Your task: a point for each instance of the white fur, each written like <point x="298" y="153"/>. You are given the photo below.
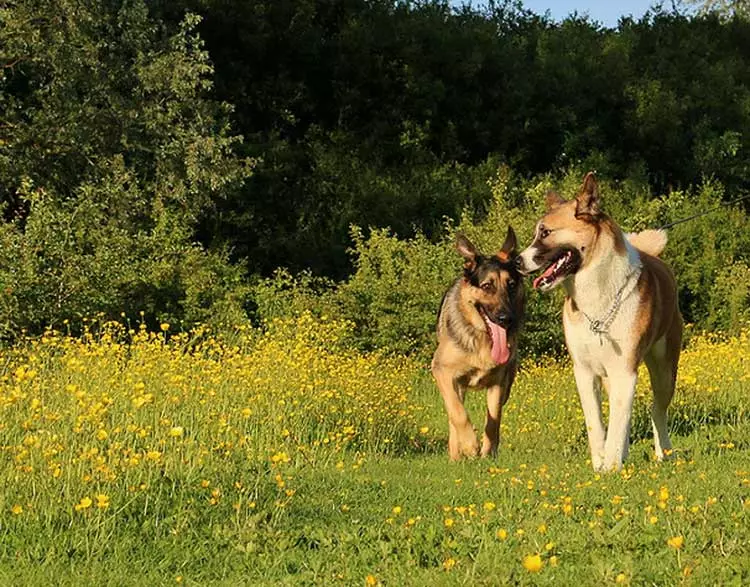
<point x="605" y="358"/>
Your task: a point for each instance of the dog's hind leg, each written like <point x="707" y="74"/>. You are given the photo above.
<point x="661" y="361"/>
<point x="589" y="391"/>
<point x="462" y="439"/>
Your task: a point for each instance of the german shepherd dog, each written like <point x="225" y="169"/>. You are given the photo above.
<point x="477" y="329"/>
<point x="620" y="309"/>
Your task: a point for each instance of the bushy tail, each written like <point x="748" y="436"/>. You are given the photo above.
<point x="651" y="242"/>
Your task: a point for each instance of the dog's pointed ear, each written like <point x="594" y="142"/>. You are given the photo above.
<point x="553" y="200"/>
<point x="587" y="202"/>
<point x="510" y="246"/>
<point x="468" y="251"/>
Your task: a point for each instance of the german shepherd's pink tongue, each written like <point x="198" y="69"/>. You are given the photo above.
<point x="500" y="351"/>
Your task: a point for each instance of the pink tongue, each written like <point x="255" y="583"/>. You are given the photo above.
<point x="549" y="271"/>
<point x="500" y="351"/>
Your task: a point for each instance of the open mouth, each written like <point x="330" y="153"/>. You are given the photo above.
<point x="499" y="337"/>
<point x="565" y="264"/>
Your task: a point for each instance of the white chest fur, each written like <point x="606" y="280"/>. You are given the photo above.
<point x="600" y="317"/>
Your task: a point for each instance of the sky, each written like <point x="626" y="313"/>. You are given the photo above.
<point x="606" y="12"/>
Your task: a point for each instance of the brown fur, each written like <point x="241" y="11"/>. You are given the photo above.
<point x="651" y="242"/>
<point x="643" y="326"/>
<point x="463" y="358"/>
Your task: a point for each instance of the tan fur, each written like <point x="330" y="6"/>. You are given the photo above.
<point x="651" y="242"/>
<point x="620" y="310"/>
<point x="463" y="358"/>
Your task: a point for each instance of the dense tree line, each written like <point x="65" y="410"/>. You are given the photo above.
<point x="154" y="154"/>
<point x="376" y="112"/>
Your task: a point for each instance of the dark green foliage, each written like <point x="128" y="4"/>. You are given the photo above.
<point x="124" y="188"/>
<point x="110" y="151"/>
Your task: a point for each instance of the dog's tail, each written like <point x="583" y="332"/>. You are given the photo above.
<point x="651" y="242"/>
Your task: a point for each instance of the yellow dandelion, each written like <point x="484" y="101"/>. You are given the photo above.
<point x="532" y="563"/>
<point x="502" y="534"/>
<point x="16" y="510"/>
<point x="676" y="542"/>
<point x="448" y="522"/>
<point x="621" y="578"/>
<point x="396" y="510"/>
<point x="102" y="501"/>
<point x="164" y="326"/>
<point x="84" y="504"/>
<point x="371" y="581"/>
<point x="176" y="431"/>
<point x="449" y="563"/>
<point x="489" y="506"/>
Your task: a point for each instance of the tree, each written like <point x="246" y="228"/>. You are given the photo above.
<point x="111" y="147"/>
<point x="724" y="8"/>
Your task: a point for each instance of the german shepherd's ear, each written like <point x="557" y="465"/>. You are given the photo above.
<point x="468" y="251"/>
<point x="510" y="246"/>
<point x="553" y="200"/>
<point x="587" y="202"/>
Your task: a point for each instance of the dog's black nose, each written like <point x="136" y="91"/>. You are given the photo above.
<point x="504" y="319"/>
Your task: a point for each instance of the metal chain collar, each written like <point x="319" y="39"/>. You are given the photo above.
<point x="601" y="326"/>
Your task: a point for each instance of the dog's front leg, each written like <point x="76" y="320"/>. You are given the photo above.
<point x="621" y="396"/>
<point x="589" y="391"/>
<point x="491" y="438"/>
<point x="462" y="439"/>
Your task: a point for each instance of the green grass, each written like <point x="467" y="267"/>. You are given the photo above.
<point x="392" y="514"/>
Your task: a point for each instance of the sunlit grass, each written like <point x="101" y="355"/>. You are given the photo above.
<point x="283" y="456"/>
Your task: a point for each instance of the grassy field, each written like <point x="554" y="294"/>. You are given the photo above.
<point x="133" y="458"/>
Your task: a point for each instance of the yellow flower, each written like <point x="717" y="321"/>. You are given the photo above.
<point x="532" y="563"/>
<point x="424" y="429"/>
<point x="663" y="493"/>
<point x="164" y="326"/>
<point x="153" y="455"/>
<point x="176" y="431"/>
<point x="489" y="506"/>
<point x="553" y="561"/>
<point x="396" y="510"/>
<point x="449" y="563"/>
<point x="371" y="581"/>
<point x="676" y="542"/>
<point x="85" y="503"/>
<point x="448" y="522"/>
<point x="16" y="510"/>
<point x="502" y="534"/>
<point x="621" y="578"/>
<point x="101" y="434"/>
<point x="102" y="501"/>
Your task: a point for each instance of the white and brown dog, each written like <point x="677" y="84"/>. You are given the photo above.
<point x="621" y="309"/>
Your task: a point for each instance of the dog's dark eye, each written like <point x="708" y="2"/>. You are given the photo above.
<point x="511" y="284"/>
<point x="544" y="232"/>
<point x="486" y="286"/>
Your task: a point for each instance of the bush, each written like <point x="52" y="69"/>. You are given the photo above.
<point x="395" y="291"/>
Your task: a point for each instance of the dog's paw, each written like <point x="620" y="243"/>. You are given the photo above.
<point x="468" y="443"/>
<point x="488" y="449"/>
